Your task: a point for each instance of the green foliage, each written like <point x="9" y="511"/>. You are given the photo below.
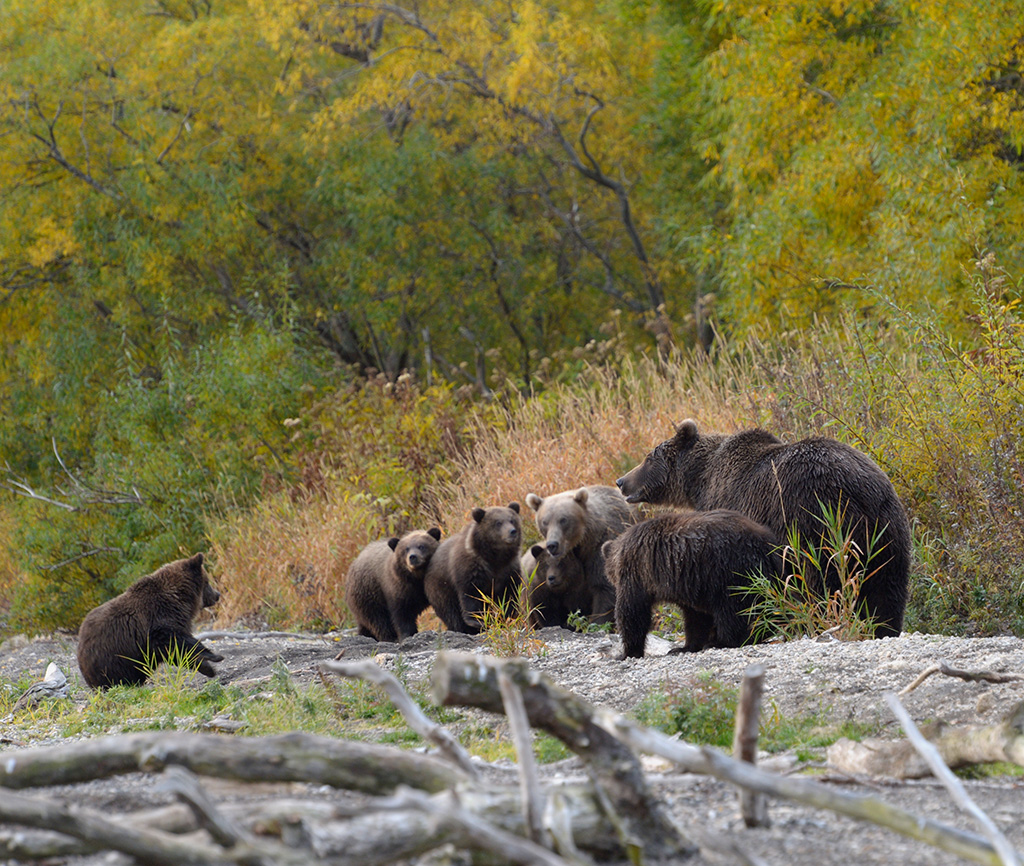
<point x="506" y="629"/>
<point x="799" y="605"/>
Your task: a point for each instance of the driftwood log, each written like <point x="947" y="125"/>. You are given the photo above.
<point x="959" y="746"/>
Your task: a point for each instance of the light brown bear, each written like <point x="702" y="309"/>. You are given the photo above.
<point x="384" y="587"/>
<point x="123" y="640"/>
<point x="481" y="560"/>
<point x="555" y="587"/>
<point x="580" y="521"/>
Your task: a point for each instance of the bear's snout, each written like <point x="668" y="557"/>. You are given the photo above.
<point x="414" y="559"/>
<point x="554" y="581"/>
<point x="552" y="547"/>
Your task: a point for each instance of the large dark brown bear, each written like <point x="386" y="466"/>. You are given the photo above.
<point x="778" y="485"/>
<point x="701" y="561"/>
<point x="482" y="559"/>
<point x="123" y="640"/>
<point x="581" y="521"/>
<point x="555" y="587"/>
<point x="384" y="587"/>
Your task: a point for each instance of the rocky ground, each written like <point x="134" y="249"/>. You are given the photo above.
<point x="838" y="680"/>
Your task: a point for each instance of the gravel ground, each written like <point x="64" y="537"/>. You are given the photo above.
<point x="842" y="680"/>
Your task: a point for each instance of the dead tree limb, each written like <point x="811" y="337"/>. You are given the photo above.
<point x="185" y="786"/>
<point x="463" y="679"/>
<point x="753" y="806"/>
<point x="959" y="746"/>
<point x="944" y="667"/>
<point x="519" y="724"/>
<point x="1007" y="854"/>
<point x="294" y="757"/>
<point x="368" y="670"/>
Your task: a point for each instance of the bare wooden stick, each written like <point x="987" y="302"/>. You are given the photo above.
<point x="943" y="667"/>
<point x="519" y="724"/>
<point x="148" y="846"/>
<point x="1007" y="854"/>
<point x="753" y="805"/>
<point x="465" y="679"/>
<point x="366" y="669"/>
<point x="185" y="786"/>
<point x="294" y="757"/>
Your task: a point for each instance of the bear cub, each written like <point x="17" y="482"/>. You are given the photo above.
<point x="481" y="559"/>
<point x="779" y="485"/>
<point x="384" y="588"/>
<point x="124" y="639"/>
<point x="701" y="561"/>
<point x="555" y="587"/>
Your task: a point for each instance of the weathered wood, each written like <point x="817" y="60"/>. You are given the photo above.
<point x="944" y="667"/>
<point x="185" y="786"/>
<point x="295" y="757"/>
<point x="753" y="805"/>
<point x="1007" y="854"/>
<point x="464" y="679"/>
<point x="519" y="725"/>
<point x="413" y="715"/>
<point x="959" y="746"/>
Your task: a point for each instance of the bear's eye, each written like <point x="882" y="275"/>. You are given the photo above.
<point x="563" y="522"/>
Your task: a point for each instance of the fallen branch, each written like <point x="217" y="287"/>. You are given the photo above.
<point x="415" y="717"/>
<point x="1006" y="851"/>
<point x="464" y="679"/>
<point x="959" y="746"/>
<point x="519" y="724"/>
<point x="943" y="667"/>
<point x="294" y="757"/>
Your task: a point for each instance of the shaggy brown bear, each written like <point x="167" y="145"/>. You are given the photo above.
<point x="581" y="521"/>
<point x="555" y="587"/>
<point x="701" y="561"/>
<point x="481" y="560"/>
<point x="384" y="587"/>
<point x="779" y="485"/>
<point x="123" y="640"/>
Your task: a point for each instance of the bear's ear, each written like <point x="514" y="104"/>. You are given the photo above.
<point x="478" y="514"/>
<point x="537" y="550"/>
<point x="393" y="542"/>
<point x="581" y="496"/>
<point x="514" y="506"/>
<point x="434" y="533"/>
<point x="196" y="561"/>
<point x="606" y="548"/>
<point x="534" y="501"/>
<point x="686" y="434"/>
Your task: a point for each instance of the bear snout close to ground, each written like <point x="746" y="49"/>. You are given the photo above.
<point x="701" y="561"/>
<point x="781" y="485"/>
<point x="385" y="585"/>
<point x="123" y="640"/>
<point x="479" y="561"/>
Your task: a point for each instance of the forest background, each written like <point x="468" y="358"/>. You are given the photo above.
<point x="280" y="278"/>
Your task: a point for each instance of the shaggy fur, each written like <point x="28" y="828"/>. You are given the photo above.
<point x="778" y="485"/>
<point x="481" y="560"/>
<point x="384" y="588"/>
<point x="124" y="639"/>
<point x="701" y="561"/>
<point x="556" y="587"/>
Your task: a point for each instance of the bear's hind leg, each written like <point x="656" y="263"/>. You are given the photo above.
<point x="698" y="628"/>
<point x="633" y="618"/>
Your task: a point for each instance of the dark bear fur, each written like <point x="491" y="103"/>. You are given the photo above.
<point x="699" y="560"/>
<point x="555" y="587"/>
<point x="482" y="559"/>
<point x="123" y="639"/>
<point x="384" y="587"/>
<point x="777" y="485"/>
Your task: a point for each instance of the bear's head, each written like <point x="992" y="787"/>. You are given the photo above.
<point x="560" y="573"/>
<point x="495" y="532"/>
<point x="663" y="476"/>
<point x="185" y="580"/>
<point x="414" y="550"/>
<point x="561" y="519"/>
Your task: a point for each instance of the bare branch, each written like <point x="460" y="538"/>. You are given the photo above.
<point x="533" y="801"/>
<point x="943" y="667"/>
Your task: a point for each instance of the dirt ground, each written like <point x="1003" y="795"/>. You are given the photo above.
<point x="839" y="680"/>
